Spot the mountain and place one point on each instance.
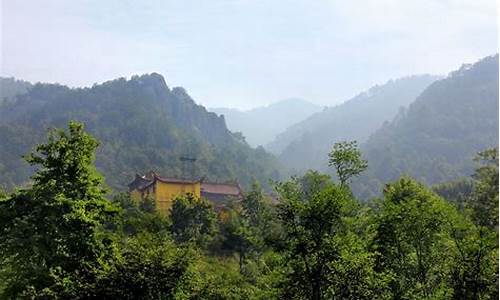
(437, 137)
(306, 144)
(141, 123)
(261, 125)
(10, 87)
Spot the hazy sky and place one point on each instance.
(245, 53)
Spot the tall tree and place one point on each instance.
(345, 158)
(51, 234)
(239, 236)
(193, 220)
(484, 203)
(475, 269)
(412, 235)
(316, 214)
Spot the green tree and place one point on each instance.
(254, 205)
(412, 237)
(260, 213)
(147, 266)
(51, 236)
(474, 269)
(193, 220)
(484, 203)
(248, 225)
(239, 236)
(316, 216)
(140, 217)
(346, 159)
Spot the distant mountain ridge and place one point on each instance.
(437, 137)
(261, 125)
(10, 87)
(355, 119)
(141, 123)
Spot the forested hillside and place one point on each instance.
(435, 139)
(10, 87)
(63, 239)
(355, 119)
(142, 124)
(262, 124)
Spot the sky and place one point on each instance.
(242, 53)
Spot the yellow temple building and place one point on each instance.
(164, 190)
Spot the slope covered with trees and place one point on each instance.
(355, 119)
(142, 124)
(62, 239)
(11, 87)
(262, 124)
(435, 139)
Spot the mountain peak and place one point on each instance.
(151, 79)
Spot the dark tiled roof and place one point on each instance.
(139, 183)
(226, 189)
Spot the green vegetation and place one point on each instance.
(62, 239)
(51, 240)
(346, 159)
(193, 220)
(436, 138)
(141, 124)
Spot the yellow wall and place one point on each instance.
(164, 193)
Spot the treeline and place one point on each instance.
(63, 239)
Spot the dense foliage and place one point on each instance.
(61, 239)
(141, 123)
(436, 138)
(50, 232)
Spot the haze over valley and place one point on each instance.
(257, 150)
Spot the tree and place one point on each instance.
(51, 232)
(248, 226)
(254, 206)
(193, 220)
(316, 214)
(475, 269)
(484, 202)
(260, 214)
(412, 235)
(139, 217)
(239, 236)
(146, 266)
(346, 159)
